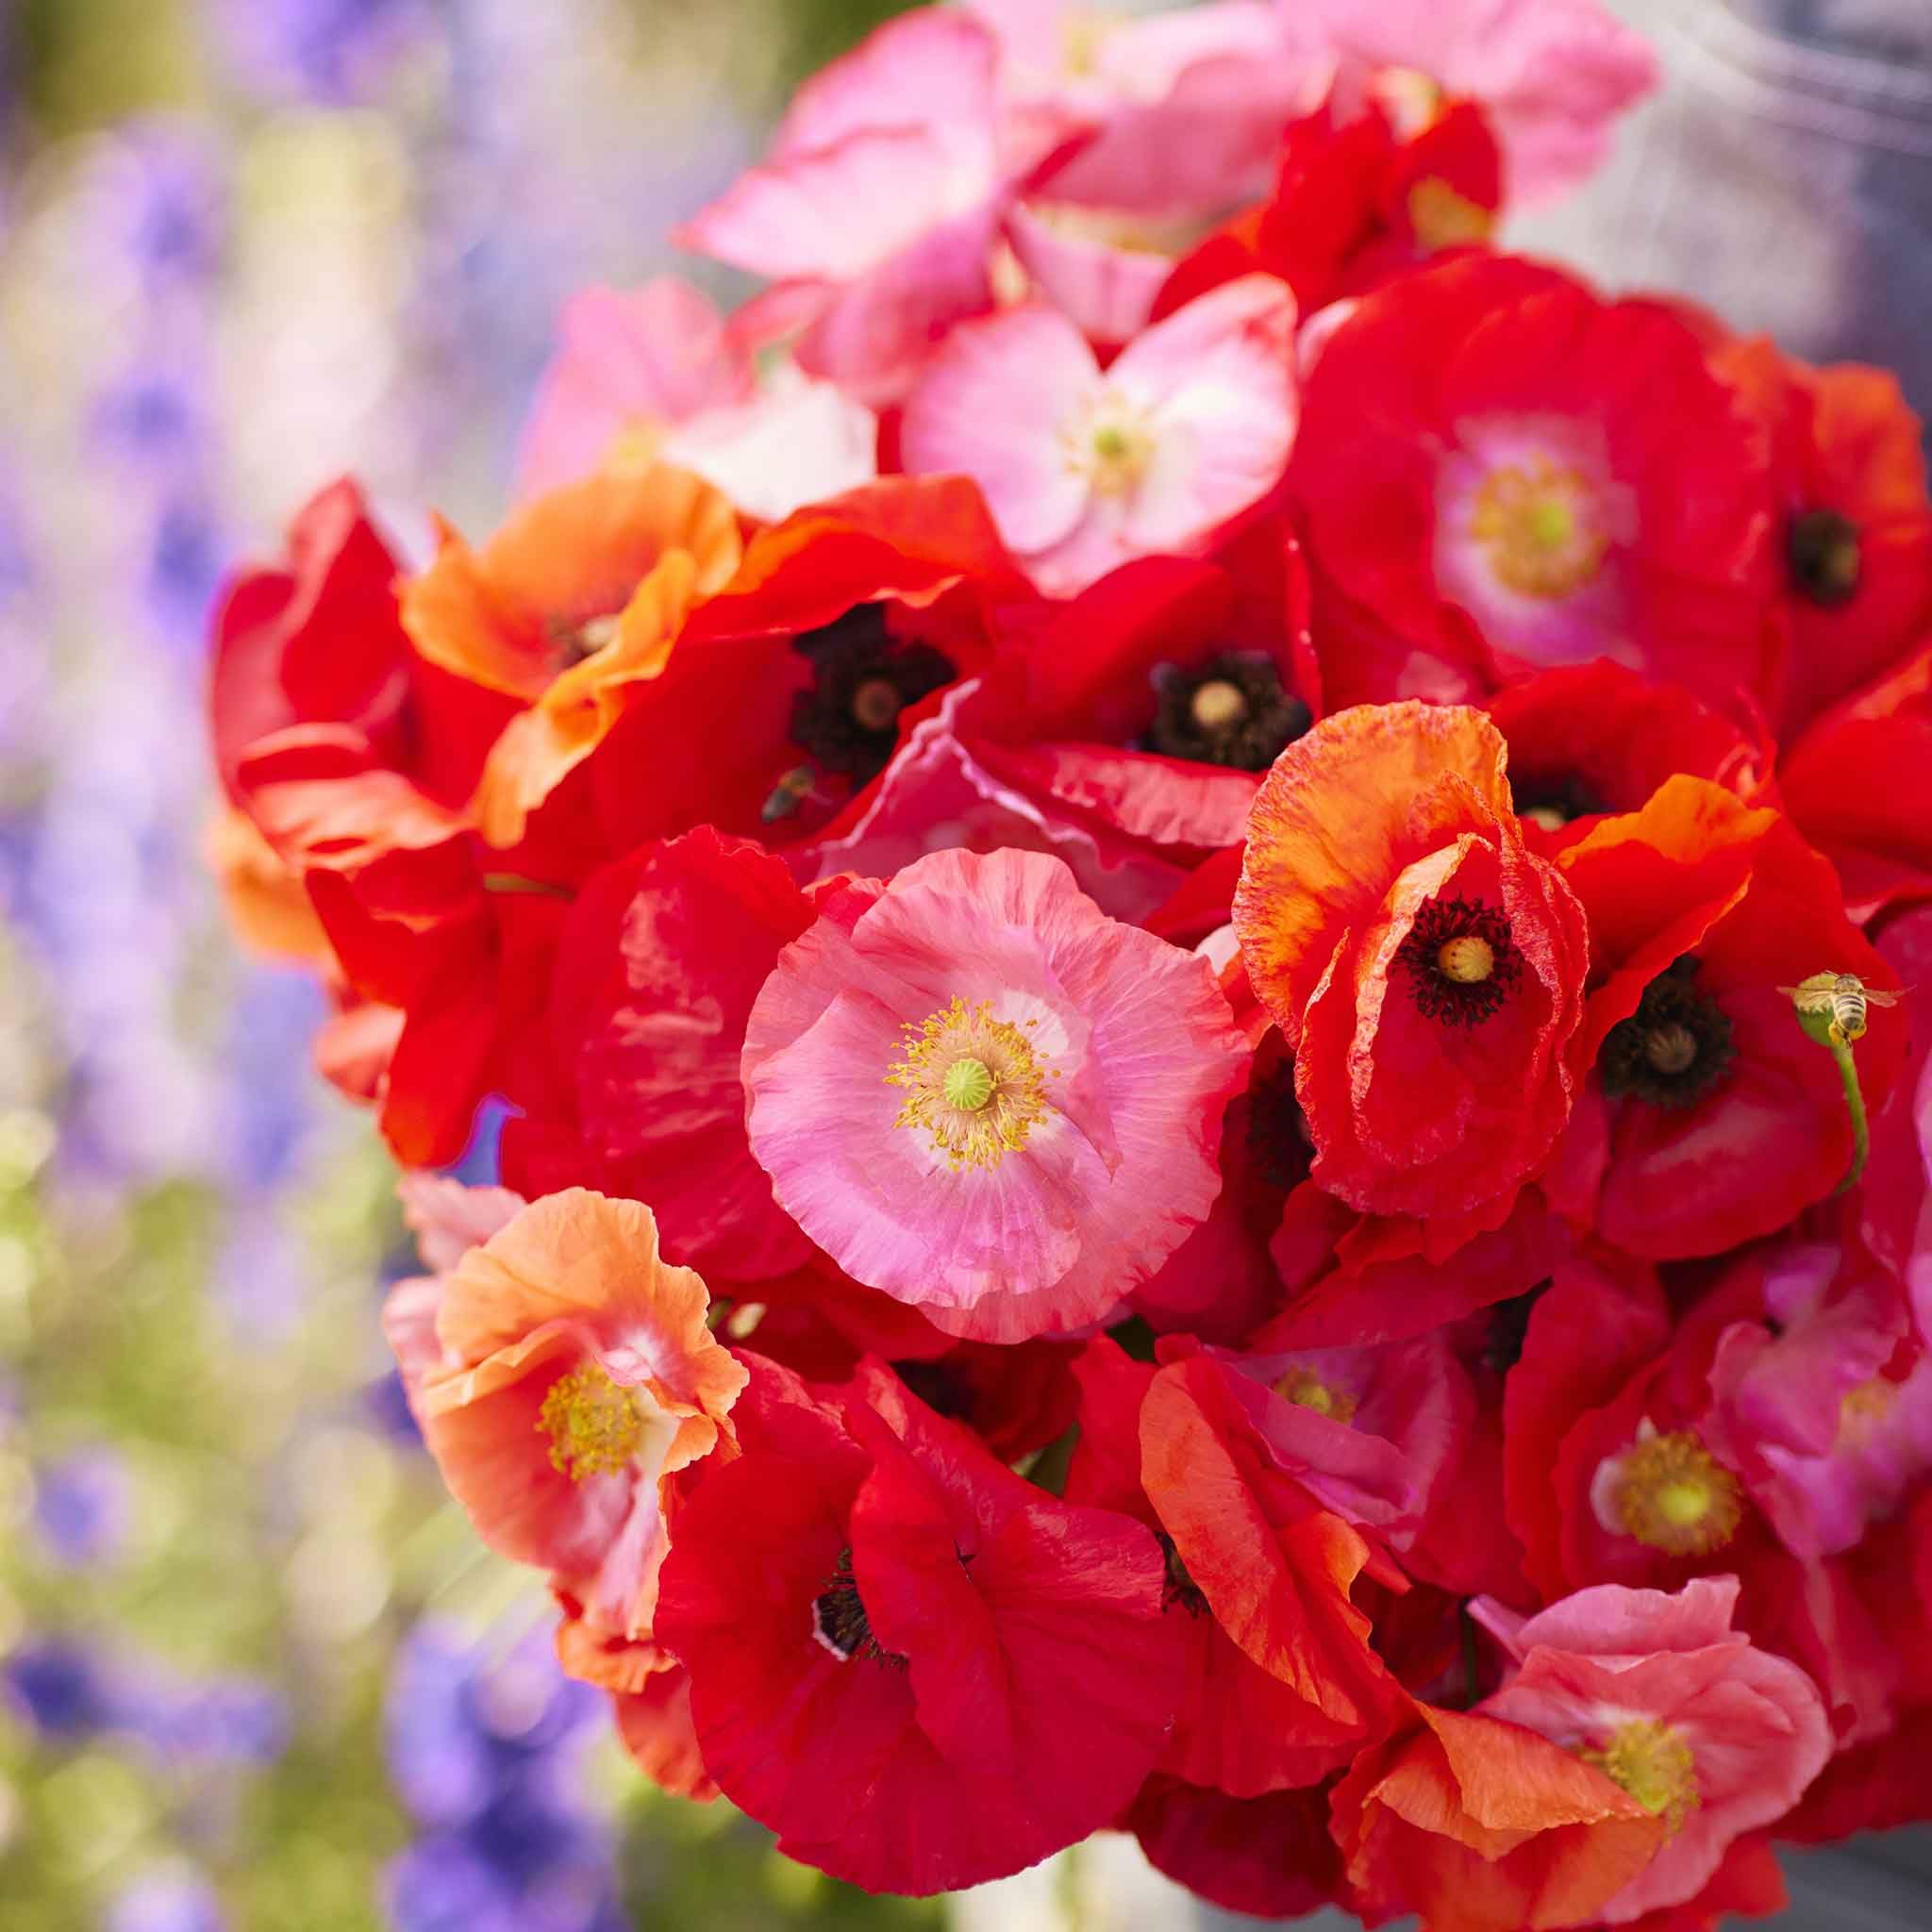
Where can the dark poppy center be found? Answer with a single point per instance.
(1555, 800)
(572, 642)
(862, 678)
(1509, 1329)
(1278, 1130)
(1177, 1587)
(1461, 961)
(1674, 1048)
(1827, 555)
(1230, 712)
(839, 1621)
(943, 1390)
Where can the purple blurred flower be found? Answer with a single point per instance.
(81, 1507)
(486, 1748)
(328, 51)
(169, 1900)
(156, 200)
(61, 1688)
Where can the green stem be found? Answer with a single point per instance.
(1855, 1105)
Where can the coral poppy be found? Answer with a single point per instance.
(1190, 424)
(570, 1371)
(1428, 968)
(1501, 472)
(1707, 1733)
(577, 598)
(977, 1092)
(1481, 1825)
(1708, 1117)
(919, 1670)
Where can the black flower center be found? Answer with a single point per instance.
(862, 678)
(839, 1621)
(1177, 1587)
(1674, 1048)
(1557, 800)
(1461, 963)
(1826, 555)
(1278, 1130)
(1231, 711)
(943, 1390)
(1509, 1329)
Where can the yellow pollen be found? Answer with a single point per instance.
(1218, 703)
(1442, 218)
(1655, 1765)
(594, 1425)
(1672, 1495)
(1537, 525)
(1468, 960)
(1548, 816)
(1301, 1386)
(1864, 1408)
(973, 1082)
(1110, 443)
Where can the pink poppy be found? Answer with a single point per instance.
(1084, 468)
(979, 1093)
(658, 373)
(1553, 75)
(874, 210)
(1704, 1730)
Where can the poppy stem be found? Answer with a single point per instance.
(1855, 1105)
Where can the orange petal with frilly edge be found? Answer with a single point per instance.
(1343, 811)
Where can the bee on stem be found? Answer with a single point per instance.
(1845, 997)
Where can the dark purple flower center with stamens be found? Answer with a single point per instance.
(839, 1621)
(1231, 711)
(862, 678)
(1674, 1048)
(1461, 963)
(1825, 556)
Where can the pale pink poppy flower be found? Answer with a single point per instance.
(875, 208)
(1085, 469)
(657, 373)
(1660, 1694)
(1552, 76)
(983, 1096)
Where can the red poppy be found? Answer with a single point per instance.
(1708, 1117)
(916, 1669)
(1855, 785)
(1426, 967)
(1848, 478)
(1501, 472)
(656, 964)
(1354, 204)
(1484, 1827)
(1594, 738)
(1243, 1728)
(783, 699)
(1271, 1856)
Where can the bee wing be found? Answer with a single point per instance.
(1810, 999)
(1876, 998)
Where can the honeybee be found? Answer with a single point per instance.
(794, 788)
(1845, 997)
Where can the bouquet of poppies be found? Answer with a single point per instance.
(1202, 919)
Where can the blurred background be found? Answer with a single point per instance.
(255, 1676)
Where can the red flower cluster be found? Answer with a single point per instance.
(1209, 953)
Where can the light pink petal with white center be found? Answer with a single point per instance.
(1217, 380)
(627, 358)
(797, 442)
(993, 406)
